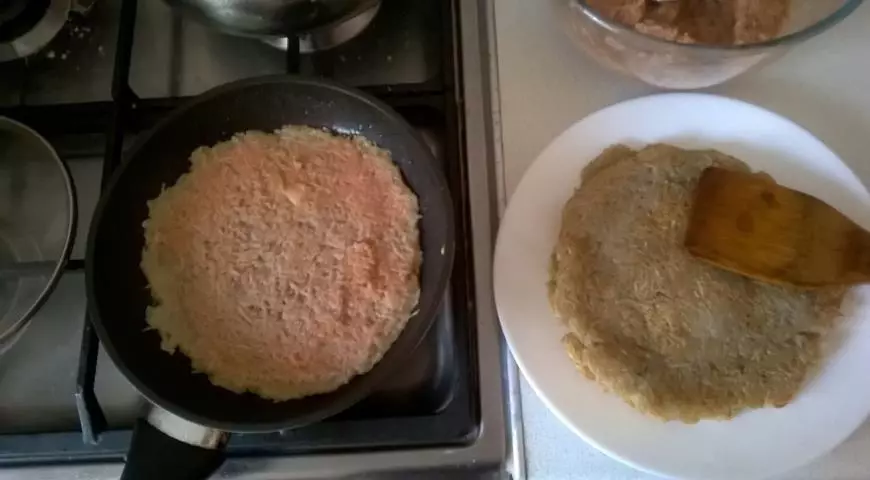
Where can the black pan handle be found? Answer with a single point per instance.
(154, 455)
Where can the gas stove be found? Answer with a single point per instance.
(119, 66)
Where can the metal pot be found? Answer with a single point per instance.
(272, 18)
(37, 225)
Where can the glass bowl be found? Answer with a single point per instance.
(37, 221)
(672, 65)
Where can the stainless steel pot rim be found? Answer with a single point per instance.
(72, 213)
(270, 22)
(329, 36)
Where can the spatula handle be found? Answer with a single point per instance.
(856, 256)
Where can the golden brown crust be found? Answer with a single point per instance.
(709, 22)
(674, 337)
(283, 264)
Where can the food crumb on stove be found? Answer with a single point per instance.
(711, 22)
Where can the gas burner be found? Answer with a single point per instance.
(28, 25)
(331, 36)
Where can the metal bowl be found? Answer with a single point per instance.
(37, 221)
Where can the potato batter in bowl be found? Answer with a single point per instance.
(709, 22)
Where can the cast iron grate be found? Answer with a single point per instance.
(431, 103)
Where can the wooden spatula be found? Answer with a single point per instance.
(748, 224)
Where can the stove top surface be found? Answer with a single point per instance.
(174, 56)
(71, 91)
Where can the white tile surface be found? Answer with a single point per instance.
(553, 452)
(546, 85)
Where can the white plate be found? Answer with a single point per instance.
(756, 444)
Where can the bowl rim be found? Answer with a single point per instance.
(810, 31)
(9, 335)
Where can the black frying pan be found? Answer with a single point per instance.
(117, 289)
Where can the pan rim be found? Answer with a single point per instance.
(371, 378)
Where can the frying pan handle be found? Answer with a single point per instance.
(154, 454)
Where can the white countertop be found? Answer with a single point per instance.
(546, 85)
